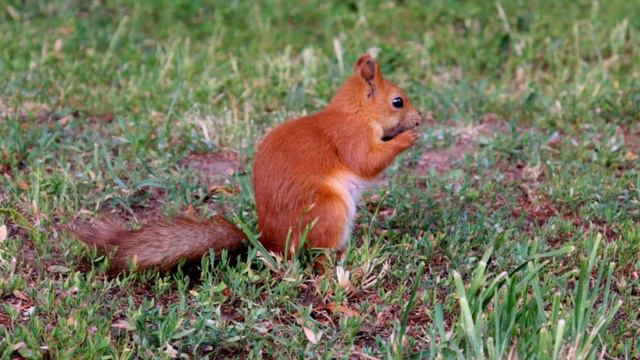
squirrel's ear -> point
(368, 70)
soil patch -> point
(632, 142)
(27, 109)
(214, 168)
(467, 140)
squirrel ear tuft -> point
(367, 69)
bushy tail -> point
(161, 244)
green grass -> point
(525, 246)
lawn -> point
(511, 230)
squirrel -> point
(307, 170)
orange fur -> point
(314, 167)
(161, 244)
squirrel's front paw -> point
(407, 139)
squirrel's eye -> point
(397, 102)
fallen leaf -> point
(20, 295)
(190, 211)
(263, 327)
(65, 30)
(71, 321)
(157, 116)
(57, 48)
(59, 269)
(554, 139)
(23, 185)
(342, 309)
(374, 198)
(387, 214)
(223, 189)
(5, 320)
(3, 233)
(343, 278)
(532, 172)
(227, 292)
(171, 351)
(15, 15)
(630, 156)
(311, 336)
(64, 120)
(122, 324)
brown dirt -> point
(30, 110)
(141, 291)
(21, 303)
(632, 142)
(447, 159)
(382, 323)
(537, 208)
(27, 256)
(443, 160)
(27, 109)
(214, 169)
(147, 206)
(532, 203)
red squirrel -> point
(311, 168)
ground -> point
(511, 230)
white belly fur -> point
(350, 188)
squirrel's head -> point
(381, 102)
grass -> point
(522, 242)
